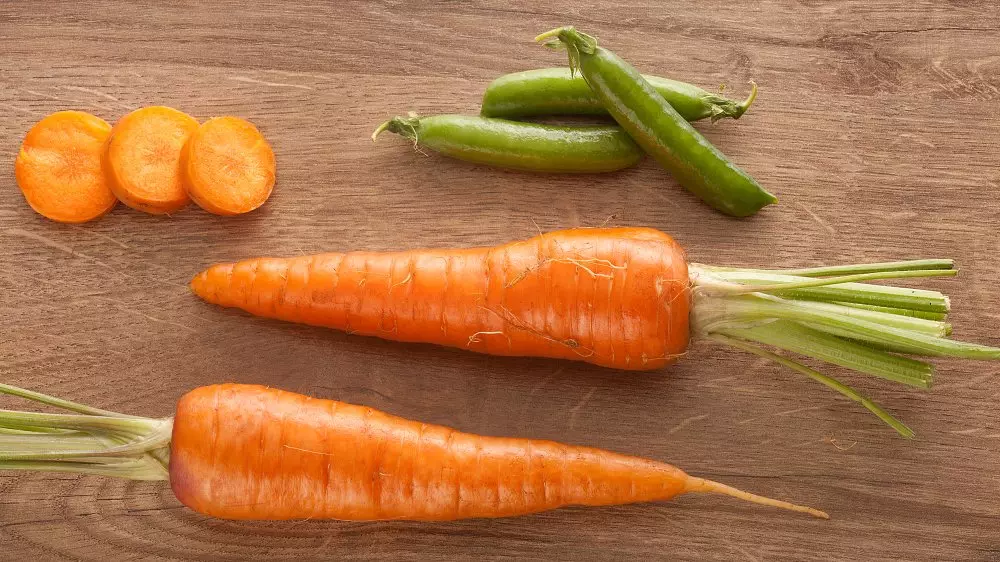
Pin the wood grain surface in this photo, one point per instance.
(878, 126)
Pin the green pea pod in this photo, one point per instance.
(520, 146)
(657, 127)
(558, 91)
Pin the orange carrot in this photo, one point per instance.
(142, 159)
(252, 452)
(59, 167)
(618, 297)
(229, 166)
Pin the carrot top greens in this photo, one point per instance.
(89, 441)
(825, 313)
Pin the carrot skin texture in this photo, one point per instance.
(617, 298)
(277, 455)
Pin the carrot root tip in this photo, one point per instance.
(695, 484)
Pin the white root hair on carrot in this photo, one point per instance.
(665, 357)
(538, 228)
(661, 282)
(517, 279)
(579, 262)
(592, 261)
(474, 338)
(510, 318)
(287, 446)
(407, 279)
(611, 217)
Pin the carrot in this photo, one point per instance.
(229, 166)
(520, 299)
(624, 298)
(251, 452)
(142, 159)
(59, 167)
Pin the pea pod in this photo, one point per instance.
(657, 127)
(558, 91)
(520, 146)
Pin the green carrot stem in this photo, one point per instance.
(905, 322)
(828, 381)
(839, 280)
(82, 422)
(91, 441)
(936, 316)
(882, 267)
(32, 430)
(887, 346)
(55, 448)
(756, 309)
(861, 293)
(802, 340)
(57, 402)
(132, 469)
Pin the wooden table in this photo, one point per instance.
(877, 126)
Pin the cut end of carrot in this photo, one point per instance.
(142, 159)
(59, 167)
(695, 484)
(229, 166)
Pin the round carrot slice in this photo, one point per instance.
(59, 167)
(142, 159)
(229, 166)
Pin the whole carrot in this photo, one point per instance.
(577, 294)
(252, 452)
(624, 298)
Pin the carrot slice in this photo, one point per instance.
(142, 159)
(229, 166)
(59, 167)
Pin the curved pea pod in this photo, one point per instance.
(558, 91)
(659, 129)
(520, 146)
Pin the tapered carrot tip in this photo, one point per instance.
(225, 284)
(695, 484)
(199, 284)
